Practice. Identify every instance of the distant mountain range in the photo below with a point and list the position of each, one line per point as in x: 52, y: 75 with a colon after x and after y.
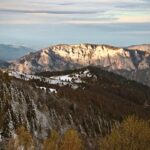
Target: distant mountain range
x: 12, y: 52
x: 4, y: 64
x: 62, y: 57
x: 132, y: 62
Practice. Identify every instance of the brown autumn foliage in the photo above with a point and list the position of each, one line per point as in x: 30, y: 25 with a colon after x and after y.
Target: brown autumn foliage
x: 132, y: 134
x: 22, y: 140
x: 51, y: 143
x: 71, y: 141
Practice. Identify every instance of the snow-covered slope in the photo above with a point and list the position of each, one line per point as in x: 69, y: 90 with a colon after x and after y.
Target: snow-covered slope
x: 73, y: 79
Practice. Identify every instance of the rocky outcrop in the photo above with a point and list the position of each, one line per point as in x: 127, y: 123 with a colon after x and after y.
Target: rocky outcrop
x: 44, y: 60
x: 133, y: 63
x: 62, y: 57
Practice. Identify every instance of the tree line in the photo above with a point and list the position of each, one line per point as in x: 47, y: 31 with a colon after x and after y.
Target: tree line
x: 132, y: 134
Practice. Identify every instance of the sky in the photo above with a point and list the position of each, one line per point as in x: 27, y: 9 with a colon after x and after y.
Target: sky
x: 40, y: 23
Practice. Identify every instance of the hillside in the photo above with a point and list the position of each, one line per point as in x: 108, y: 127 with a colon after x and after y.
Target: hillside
x: 90, y: 100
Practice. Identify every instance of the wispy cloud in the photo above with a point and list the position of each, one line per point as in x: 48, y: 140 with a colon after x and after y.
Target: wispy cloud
x: 74, y: 11
x: 48, y: 11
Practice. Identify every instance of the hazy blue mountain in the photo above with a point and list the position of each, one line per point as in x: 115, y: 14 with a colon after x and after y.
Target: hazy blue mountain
x: 4, y: 64
x: 11, y: 52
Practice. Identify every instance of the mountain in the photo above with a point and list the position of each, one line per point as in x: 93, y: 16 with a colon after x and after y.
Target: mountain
x: 141, y: 75
x: 61, y: 57
x: 11, y: 52
x: 130, y: 63
x: 142, y: 47
x: 4, y: 64
x: 44, y: 60
x: 90, y: 99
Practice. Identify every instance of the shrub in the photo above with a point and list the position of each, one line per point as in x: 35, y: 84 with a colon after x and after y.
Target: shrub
x: 132, y: 134
x: 51, y: 143
x: 22, y: 140
x: 71, y: 141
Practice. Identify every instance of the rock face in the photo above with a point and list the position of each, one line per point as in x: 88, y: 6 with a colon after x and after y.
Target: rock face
x: 96, y: 55
x: 132, y: 62
x: 44, y: 60
x: 62, y: 57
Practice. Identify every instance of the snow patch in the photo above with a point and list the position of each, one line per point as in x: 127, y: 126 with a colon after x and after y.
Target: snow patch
x: 52, y: 90
x: 71, y: 79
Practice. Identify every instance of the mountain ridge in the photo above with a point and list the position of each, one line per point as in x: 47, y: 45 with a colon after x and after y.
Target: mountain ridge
x: 131, y: 63
x: 142, y: 47
x: 81, y: 54
x: 115, y: 58
x: 10, y: 52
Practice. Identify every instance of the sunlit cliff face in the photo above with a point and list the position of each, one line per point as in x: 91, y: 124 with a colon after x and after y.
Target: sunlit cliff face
x: 62, y: 57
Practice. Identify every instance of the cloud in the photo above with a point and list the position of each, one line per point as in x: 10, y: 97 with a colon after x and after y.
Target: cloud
x: 74, y: 11
x: 47, y: 11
